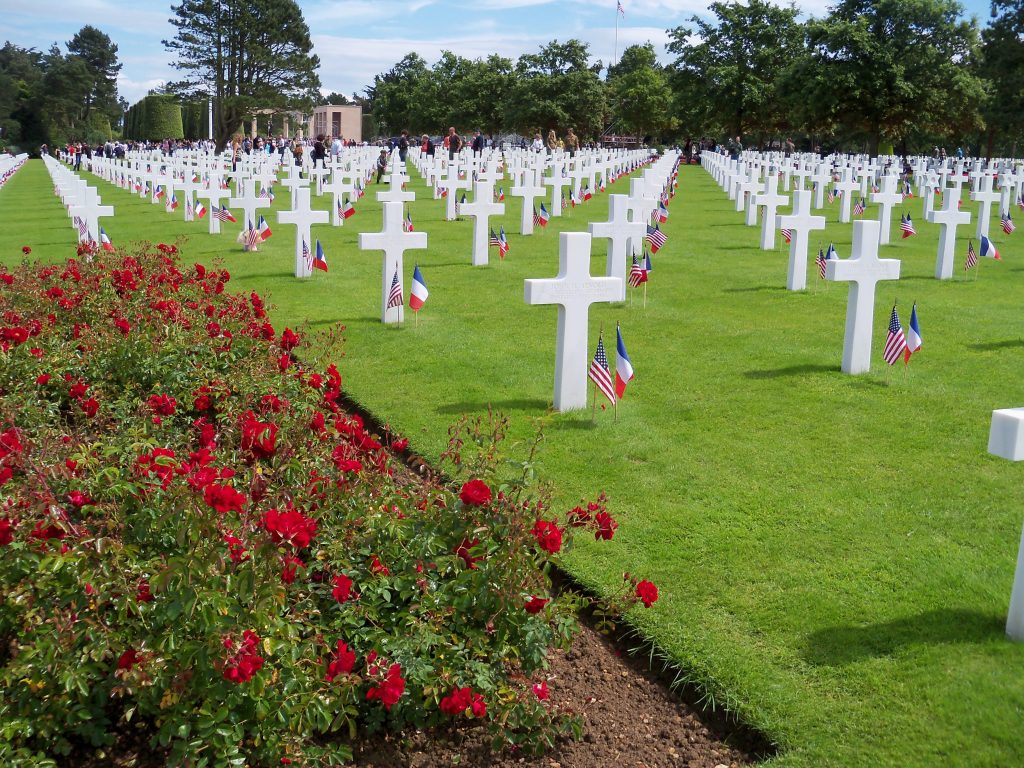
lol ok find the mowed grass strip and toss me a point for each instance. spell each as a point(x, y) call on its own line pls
point(834, 553)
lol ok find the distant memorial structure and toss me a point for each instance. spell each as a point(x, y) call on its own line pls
point(345, 121)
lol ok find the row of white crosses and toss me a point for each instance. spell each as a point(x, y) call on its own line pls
point(574, 289)
point(81, 200)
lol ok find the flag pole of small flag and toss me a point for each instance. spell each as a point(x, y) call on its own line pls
point(600, 374)
point(895, 341)
point(418, 293)
point(319, 258)
point(914, 339)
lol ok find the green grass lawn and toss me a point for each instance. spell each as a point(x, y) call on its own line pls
point(834, 553)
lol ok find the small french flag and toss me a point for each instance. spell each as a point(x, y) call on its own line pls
point(623, 367)
point(418, 294)
point(319, 260)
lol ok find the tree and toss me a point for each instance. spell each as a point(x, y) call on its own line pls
point(725, 75)
point(251, 54)
point(887, 68)
point(1003, 66)
point(338, 99)
point(639, 92)
point(99, 55)
point(557, 89)
point(392, 93)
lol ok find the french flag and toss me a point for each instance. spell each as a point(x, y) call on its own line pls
point(914, 339)
point(418, 294)
point(348, 211)
point(623, 367)
point(264, 229)
point(200, 210)
point(988, 249)
point(319, 260)
point(105, 241)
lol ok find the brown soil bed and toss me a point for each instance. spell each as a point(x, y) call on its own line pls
point(631, 718)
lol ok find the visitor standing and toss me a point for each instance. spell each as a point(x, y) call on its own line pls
point(572, 142)
point(454, 142)
point(403, 146)
point(552, 141)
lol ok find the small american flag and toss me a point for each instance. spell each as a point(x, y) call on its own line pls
point(1008, 226)
point(895, 341)
point(83, 228)
point(495, 241)
point(619, 9)
point(395, 296)
point(831, 196)
point(307, 255)
point(637, 276)
point(599, 372)
point(1020, 203)
point(252, 238)
point(223, 214)
point(821, 261)
point(907, 226)
point(787, 234)
point(860, 207)
point(972, 256)
point(655, 237)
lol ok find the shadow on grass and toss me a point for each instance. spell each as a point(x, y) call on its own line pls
point(584, 424)
point(755, 289)
point(522, 404)
point(838, 646)
point(994, 345)
point(792, 370)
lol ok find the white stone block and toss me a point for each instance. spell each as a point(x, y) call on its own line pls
point(1006, 436)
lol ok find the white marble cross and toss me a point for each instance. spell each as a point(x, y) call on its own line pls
point(949, 217)
point(396, 179)
point(481, 209)
point(984, 195)
point(529, 191)
point(249, 203)
point(453, 185)
point(339, 186)
point(846, 186)
point(294, 182)
point(557, 181)
point(394, 241)
point(189, 188)
point(573, 290)
point(1006, 440)
point(889, 197)
point(619, 231)
point(318, 172)
point(215, 195)
point(800, 222)
point(302, 216)
point(821, 177)
point(864, 270)
point(770, 198)
point(90, 209)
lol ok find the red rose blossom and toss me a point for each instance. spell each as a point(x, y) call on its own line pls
point(223, 498)
point(26, 250)
point(536, 604)
point(164, 405)
point(289, 527)
point(128, 659)
point(548, 535)
point(390, 689)
point(342, 586)
point(341, 663)
point(475, 493)
point(606, 526)
point(540, 690)
point(245, 661)
point(6, 531)
point(258, 437)
point(647, 592)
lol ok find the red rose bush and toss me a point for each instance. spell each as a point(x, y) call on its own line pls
point(196, 539)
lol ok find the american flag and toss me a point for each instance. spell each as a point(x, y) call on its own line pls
point(1008, 226)
point(252, 238)
point(307, 255)
point(395, 296)
point(655, 237)
point(565, 203)
point(831, 196)
point(860, 207)
point(972, 256)
point(83, 228)
point(907, 226)
point(223, 214)
point(821, 262)
point(495, 241)
point(787, 234)
point(895, 341)
point(637, 276)
point(459, 204)
point(599, 372)
point(1020, 203)
point(619, 9)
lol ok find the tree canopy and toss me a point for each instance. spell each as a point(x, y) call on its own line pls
point(249, 54)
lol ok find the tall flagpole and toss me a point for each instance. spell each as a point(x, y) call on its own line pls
point(615, 56)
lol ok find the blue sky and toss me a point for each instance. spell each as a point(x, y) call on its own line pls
point(356, 39)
